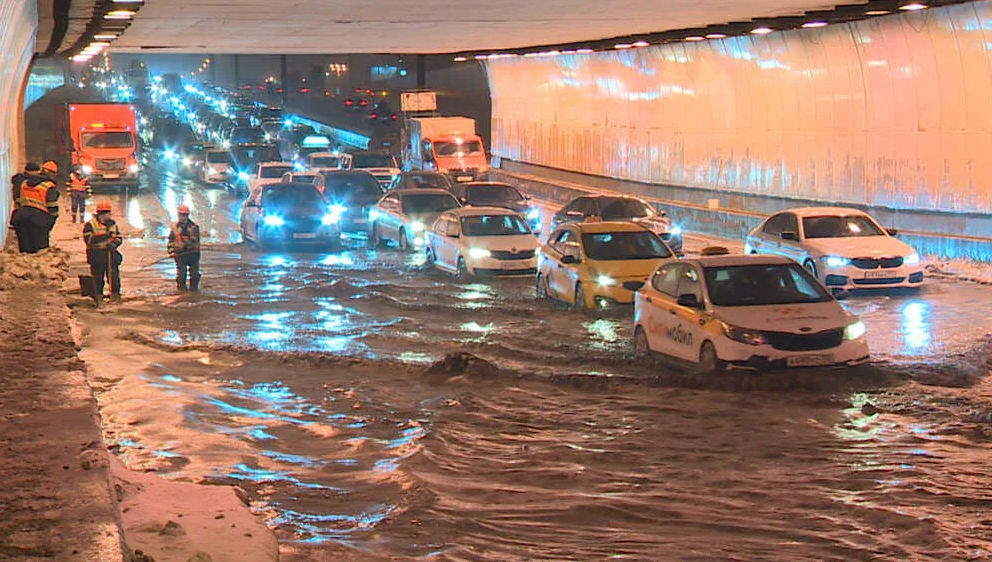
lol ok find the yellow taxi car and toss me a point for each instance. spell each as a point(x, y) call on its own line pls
point(598, 264)
point(744, 312)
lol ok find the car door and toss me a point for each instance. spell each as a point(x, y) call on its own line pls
point(766, 239)
point(562, 276)
point(252, 211)
point(453, 242)
point(790, 244)
point(685, 331)
point(389, 210)
point(437, 238)
point(656, 317)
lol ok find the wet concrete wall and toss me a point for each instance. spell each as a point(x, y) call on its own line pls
point(890, 112)
point(17, 39)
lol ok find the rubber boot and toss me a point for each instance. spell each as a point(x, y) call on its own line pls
point(194, 284)
point(181, 286)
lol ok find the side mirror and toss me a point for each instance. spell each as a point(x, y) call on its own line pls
point(892, 231)
point(464, 200)
point(789, 235)
point(569, 259)
point(689, 300)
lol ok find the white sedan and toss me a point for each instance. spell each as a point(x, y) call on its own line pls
point(266, 173)
point(473, 240)
point(747, 312)
point(844, 248)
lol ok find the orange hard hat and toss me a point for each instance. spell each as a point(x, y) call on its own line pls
point(103, 206)
point(183, 210)
point(50, 166)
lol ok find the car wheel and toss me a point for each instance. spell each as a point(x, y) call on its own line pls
point(375, 240)
point(709, 363)
point(462, 268)
point(641, 347)
point(541, 289)
point(580, 297)
point(402, 242)
point(810, 267)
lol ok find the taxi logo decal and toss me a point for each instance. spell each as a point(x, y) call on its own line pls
point(679, 335)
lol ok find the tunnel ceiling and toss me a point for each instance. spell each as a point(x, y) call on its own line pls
point(419, 26)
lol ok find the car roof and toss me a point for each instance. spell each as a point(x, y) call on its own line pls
point(289, 185)
point(601, 227)
point(740, 259)
point(820, 211)
point(333, 154)
point(479, 211)
point(274, 163)
point(487, 184)
point(420, 191)
point(609, 196)
point(422, 173)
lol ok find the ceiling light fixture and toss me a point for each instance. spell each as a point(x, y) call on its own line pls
point(695, 38)
point(716, 35)
point(641, 44)
point(813, 24)
point(461, 59)
point(762, 30)
point(622, 46)
point(877, 13)
point(129, 1)
point(119, 14)
point(913, 6)
point(106, 36)
point(584, 51)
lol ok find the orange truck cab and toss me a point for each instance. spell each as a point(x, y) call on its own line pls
point(448, 145)
point(103, 140)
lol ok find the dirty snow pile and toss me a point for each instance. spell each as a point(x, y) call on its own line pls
point(967, 270)
point(47, 267)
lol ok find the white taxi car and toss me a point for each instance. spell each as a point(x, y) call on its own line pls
point(844, 248)
point(472, 240)
point(746, 312)
point(266, 173)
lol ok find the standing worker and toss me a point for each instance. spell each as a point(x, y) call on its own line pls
point(32, 220)
point(50, 169)
point(184, 247)
point(17, 179)
point(79, 190)
point(102, 239)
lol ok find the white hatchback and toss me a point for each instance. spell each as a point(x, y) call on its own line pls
point(266, 173)
point(755, 313)
point(844, 248)
point(473, 240)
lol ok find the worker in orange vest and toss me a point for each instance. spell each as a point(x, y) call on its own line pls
point(184, 247)
point(50, 169)
point(32, 220)
point(79, 190)
point(102, 239)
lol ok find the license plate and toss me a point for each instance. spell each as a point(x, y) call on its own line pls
point(464, 178)
point(810, 360)
point(304, 235)
point(877, 274)
point(111, 176)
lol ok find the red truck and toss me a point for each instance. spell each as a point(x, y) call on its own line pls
point(103, 140)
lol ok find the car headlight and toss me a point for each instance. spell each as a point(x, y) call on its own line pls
point(87, 169)
point(273, 220)
point(479, 253)
point(418, 226)
point(836, 261)
point(226, 144)
point(243, 176)
point(133, 168)
point(855, 330)
point(330, 218)
point(187, 162)
point(675, 230)
point(169, 155)
point(912, 259)
point(534, 214)
point(606, 281)
point(743, 335)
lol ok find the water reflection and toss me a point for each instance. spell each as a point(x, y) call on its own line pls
point(916, 326)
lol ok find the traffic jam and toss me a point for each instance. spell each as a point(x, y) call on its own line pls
point(773, 306)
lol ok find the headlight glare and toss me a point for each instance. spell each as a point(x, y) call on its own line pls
point(743, 335)
point(605, 281)
point(675, 230)
point(912, 259)
point(417, 226)
point(836, 261)
point(243, 176)
point(273, 220)
point(534, 214)
point(87, 169)
point(133, 168)
point(479, 253)
point(855, 330)
point(330, 218)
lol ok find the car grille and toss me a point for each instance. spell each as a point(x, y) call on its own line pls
point(463, 171)
point(104, 164)
point(875, 263)
point(882, 281)
point(805, 342)
point(504, 255)
point(305, 224)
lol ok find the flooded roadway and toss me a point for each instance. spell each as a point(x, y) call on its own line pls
point(305, 378)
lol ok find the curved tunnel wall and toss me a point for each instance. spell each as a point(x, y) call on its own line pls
point(17, 43)
point(892, 112)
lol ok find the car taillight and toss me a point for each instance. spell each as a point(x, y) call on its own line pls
point(373, 116)
point(393, 117)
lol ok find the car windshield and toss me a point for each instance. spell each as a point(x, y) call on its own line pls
point(286, 198)
point(373, 161)
point(412, 181)
point(247, 135)
point(483, 194)
point(761, 285)
point(428, 203)
point(470, 148)
point(609, 246)
point(625, 209)
point(272, 172)
point(303, 178)
point(107, 140)
point(352, 187)
point(840, 226)
point(219, 158)
point(254, 155)
point(494, 225)
point(326, 162)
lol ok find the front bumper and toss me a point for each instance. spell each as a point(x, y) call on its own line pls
point(850, 277)
point(740, 356)
point(300, 235)
point(503, 267)
point(604, 296)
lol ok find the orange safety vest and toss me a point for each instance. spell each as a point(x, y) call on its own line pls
point(76, 184)
point(35, 196)
point(98, 229)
